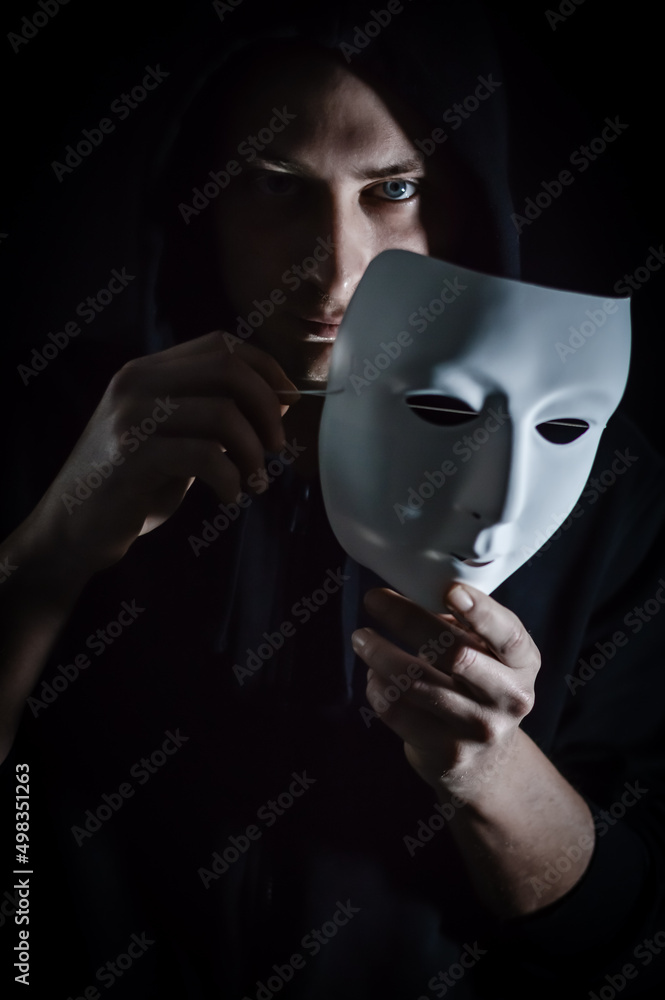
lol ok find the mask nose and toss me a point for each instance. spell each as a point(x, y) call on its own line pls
point(494, 491)
point(496, 540)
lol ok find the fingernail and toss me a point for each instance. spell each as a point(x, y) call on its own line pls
point(370, 674)
point(359, 639)
point(459, 599)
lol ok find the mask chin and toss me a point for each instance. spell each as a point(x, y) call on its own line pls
point(463, 426)
point(425, 579)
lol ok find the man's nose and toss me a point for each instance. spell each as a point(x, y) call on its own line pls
point(349, 250)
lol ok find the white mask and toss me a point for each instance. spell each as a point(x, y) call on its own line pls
point(421, 504)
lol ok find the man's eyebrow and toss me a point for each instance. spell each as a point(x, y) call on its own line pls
point(408, 166)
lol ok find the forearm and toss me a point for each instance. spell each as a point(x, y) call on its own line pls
point(40, 588)
point(520, 816)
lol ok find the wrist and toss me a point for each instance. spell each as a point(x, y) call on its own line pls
point(44, 561)
point(482, 776)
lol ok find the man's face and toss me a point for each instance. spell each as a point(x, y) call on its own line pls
point(334, 186)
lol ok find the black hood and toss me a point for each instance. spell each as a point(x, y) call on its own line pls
point(431, 54)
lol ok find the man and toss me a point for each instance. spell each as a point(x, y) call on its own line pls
point(343, 173)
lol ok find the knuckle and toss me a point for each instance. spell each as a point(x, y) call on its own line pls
point(520, 702)
point(220, 341)
point(515, 641)
point(212, 454)
point(421, 688)
point(462, 659)
point(484, 727)
point(124, 380)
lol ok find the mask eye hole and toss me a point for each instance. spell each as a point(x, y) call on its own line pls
point(563, 431)
point(446, 411)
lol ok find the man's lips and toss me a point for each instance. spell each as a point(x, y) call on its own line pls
point(323, 327)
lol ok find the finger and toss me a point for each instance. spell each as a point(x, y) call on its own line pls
point(502, 631)
point(219, 420)
point(424, 730)
point(217, 342)
point(426, 688)
point(181, 458)
point(490, 682)
point(431, 635)
point(411, 706)
point(207, 375)
point(453, 651)
point(468, 672)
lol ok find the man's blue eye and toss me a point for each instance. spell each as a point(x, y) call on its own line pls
point(398, 190)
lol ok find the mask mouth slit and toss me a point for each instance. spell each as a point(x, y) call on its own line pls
point(444, 411)
point(470, 561)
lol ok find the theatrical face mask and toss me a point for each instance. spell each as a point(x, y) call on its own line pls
point(471, 412)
